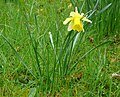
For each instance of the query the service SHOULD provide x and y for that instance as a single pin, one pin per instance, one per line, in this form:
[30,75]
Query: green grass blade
[33,42]
[87,54]
[105,8]
[19,57]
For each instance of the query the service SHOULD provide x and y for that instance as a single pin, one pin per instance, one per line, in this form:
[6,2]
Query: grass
[37,63]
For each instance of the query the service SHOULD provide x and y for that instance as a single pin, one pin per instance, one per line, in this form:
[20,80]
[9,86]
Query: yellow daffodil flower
[75,21]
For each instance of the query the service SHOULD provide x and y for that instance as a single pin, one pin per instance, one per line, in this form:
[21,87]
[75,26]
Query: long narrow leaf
[86,55]
[19,57]
[34,43]
[106,7]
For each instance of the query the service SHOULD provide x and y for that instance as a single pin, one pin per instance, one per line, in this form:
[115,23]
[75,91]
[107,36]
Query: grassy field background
[32,64]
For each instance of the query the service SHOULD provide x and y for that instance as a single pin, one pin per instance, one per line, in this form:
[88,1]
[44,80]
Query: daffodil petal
[82,14]
[67,20]
[70,26]
[87,20]
[72,13]
[76,10]
[83,30]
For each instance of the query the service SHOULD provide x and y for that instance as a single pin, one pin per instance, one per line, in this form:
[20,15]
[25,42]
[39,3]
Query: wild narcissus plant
[75,21]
